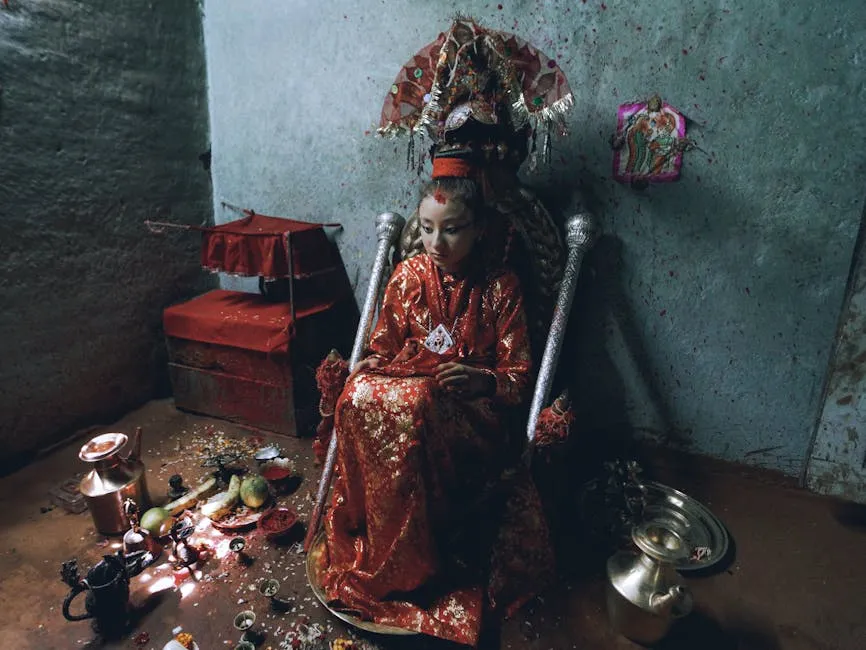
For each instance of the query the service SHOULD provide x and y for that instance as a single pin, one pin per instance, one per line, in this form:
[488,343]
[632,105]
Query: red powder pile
[278,520]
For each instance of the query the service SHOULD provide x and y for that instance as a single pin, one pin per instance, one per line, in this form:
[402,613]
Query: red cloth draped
[241,320]
[257,246]
[402,546]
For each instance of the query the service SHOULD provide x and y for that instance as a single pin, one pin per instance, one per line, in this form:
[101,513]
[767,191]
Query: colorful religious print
[649,143]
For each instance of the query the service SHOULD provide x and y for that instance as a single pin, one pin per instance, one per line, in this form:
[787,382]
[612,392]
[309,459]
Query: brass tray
[316,584]
[243,517]
[703,532]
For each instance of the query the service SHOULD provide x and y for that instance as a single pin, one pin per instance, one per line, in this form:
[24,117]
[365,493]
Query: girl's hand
[464,379]
[364,364]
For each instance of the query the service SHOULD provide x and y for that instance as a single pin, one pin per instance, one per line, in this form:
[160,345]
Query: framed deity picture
[649,142]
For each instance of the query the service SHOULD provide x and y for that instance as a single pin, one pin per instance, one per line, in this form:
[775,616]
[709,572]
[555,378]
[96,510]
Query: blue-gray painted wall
[713,301]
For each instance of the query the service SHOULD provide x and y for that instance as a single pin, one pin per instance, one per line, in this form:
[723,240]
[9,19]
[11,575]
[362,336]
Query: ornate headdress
[484,97]
[478,93]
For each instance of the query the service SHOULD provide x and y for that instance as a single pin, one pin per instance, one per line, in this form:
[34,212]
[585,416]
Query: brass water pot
[644,592]
[113,479]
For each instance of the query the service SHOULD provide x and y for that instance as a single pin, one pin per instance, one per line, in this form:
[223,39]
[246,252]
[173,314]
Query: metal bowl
[267,453]
[278,522]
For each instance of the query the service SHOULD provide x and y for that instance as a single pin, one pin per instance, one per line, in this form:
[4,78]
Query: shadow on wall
[601,306]
[603,429]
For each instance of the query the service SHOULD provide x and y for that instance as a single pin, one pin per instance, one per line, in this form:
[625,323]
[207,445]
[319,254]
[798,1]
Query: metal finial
[389,225]
[581,231]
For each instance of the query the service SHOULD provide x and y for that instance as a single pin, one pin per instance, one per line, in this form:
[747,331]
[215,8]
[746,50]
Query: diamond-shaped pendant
[439,340]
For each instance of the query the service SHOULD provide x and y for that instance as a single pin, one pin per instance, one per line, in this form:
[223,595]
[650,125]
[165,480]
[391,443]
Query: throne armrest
[388,227]
[581,232]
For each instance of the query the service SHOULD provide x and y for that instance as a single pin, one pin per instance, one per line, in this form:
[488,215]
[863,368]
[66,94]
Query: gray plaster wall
[102,119]
[707,313]
[838,461]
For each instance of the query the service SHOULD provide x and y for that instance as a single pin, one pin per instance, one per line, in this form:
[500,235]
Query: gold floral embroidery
[456,611]
[362,395]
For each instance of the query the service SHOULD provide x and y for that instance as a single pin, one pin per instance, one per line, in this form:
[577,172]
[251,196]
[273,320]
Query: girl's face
[448,231]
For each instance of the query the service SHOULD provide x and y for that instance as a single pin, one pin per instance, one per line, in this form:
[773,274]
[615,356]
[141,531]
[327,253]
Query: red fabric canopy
[237,319]
[257,246]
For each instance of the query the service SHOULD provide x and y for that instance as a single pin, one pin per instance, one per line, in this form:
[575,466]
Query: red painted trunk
[223,361]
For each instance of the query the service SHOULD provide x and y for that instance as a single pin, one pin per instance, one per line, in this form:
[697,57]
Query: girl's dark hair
[463,190]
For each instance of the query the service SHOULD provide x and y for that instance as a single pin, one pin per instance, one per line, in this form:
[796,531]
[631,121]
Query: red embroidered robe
[411,456]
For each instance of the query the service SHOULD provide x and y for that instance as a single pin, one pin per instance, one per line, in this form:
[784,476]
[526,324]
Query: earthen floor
[798,580]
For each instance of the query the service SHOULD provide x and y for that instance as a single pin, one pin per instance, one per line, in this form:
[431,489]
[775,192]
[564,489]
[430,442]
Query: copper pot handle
[134,453]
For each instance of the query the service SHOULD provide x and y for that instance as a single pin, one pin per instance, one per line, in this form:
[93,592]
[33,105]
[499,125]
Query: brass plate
[692,521]
[243,517]
[313,578]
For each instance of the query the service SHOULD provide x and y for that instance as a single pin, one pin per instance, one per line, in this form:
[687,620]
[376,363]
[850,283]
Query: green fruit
[254,491]
[156,521]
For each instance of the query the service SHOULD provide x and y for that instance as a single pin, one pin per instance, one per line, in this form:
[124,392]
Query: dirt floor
[797,580]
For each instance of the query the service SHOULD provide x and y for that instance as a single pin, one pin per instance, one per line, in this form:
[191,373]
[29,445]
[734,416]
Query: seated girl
[423,430]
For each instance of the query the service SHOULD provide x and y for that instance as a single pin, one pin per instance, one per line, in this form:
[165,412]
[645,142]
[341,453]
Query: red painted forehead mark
[440,196]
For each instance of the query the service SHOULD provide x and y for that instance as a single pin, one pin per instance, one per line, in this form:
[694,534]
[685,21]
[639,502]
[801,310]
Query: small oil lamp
[237,546]
[244,622]
[269,588]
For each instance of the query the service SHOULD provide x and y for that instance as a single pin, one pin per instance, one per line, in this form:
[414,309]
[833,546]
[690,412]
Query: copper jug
[113,479]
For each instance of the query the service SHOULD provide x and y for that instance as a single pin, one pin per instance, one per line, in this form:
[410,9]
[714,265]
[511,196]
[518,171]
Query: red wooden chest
[238,356]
